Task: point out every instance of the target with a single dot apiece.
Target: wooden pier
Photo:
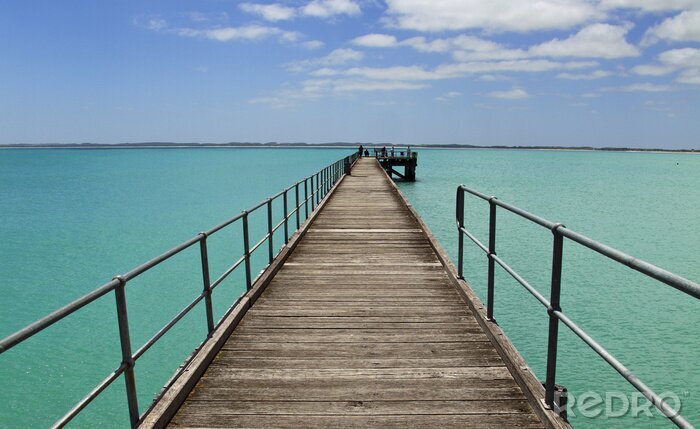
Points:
(360, 322)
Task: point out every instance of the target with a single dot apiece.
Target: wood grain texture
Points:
(361, 327)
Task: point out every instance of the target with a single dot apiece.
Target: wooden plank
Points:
(228, 407)
(475, 421)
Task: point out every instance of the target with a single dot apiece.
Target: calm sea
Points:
(71, 219)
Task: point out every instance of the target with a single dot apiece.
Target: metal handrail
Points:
(554, 310)
(323, 183)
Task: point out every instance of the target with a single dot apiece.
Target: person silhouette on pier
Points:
(360, 150)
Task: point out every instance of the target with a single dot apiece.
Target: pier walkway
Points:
(362, 325)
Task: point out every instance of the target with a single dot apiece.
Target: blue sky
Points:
(496, 72)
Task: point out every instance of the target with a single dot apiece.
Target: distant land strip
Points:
(327, 145)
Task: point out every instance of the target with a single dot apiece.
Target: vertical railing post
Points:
(270, 235)
(246, 251)
(206, 282)
(286, 218)
(492, 253)
(306, 199)
(313, 197)
(460, 234)
(296, 203)
(318, 188)
(346, 162)
(127, 357)
(553, 319)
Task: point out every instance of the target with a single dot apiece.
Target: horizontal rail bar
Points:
(544, 301)
(167, 327)
(227, 272)
(94, 393)
(224, 224)
(655, 399)
(276, 227)
(511, 208)
(259, 243)
(43, 323)
(474, 239)
(162, 257)
(673, 280)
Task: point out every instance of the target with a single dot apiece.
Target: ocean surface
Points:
(72, 219)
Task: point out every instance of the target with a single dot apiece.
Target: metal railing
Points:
(552, 305)
(391, 152)
(315, 188)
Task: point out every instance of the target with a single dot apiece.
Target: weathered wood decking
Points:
(360, 327)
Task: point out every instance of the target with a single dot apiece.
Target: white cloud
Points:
(531, 66)
(340, 56)
(640, 87)
(597, 74)
(313, 44)
(652, 70)
(452, 71)
(336, 57)
(375, 40)
(686, 61)
(315, 89)
(682, 58)
(155, 24)
(398, 73)
(492, 77)
(684, 27)
(513, 94)
(270, 12)
(342, 86)
(466, 48)
(448, 96)
(328, 8)
(690, 76)
(248, 32)
(594, 41)
(492, 15)
(649, 5)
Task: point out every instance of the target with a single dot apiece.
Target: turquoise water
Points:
(71, 219)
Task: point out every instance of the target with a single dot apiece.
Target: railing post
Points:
(298, 206)
(306, 199)
(206, 282)
(286, 216)
(318, 188)
(346, 161)
(460, 234)
(246, 251)
(492, 253)
(270, 241)
(553, 320)
(325, 181)
(127, 357)
(313, 196)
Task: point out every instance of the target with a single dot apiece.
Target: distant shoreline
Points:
(166, 145)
